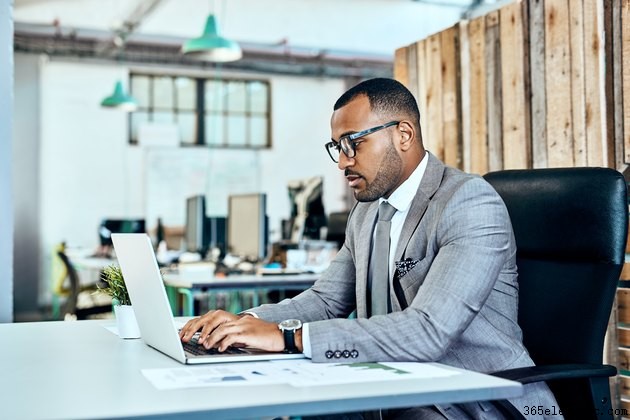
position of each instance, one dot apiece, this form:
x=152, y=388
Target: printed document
x=297, y=373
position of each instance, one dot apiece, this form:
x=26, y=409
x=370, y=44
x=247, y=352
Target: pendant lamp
x=120, y=100
x=210, y=46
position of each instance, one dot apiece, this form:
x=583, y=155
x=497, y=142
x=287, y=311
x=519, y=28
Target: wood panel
x=624, y=359
x=433, y=140
x=451, y=139
x=594, y=85
x=412, y=74
x=537, y=75
x=558, y=83
x=623, y=305
x=401, y=67
x=464, y=97
x=625, y=69
x=617, y=29
x=614, y=153
x=477, y=94
x=421, y=70
x=516, y=140
x=578, y=108
x=492, y=52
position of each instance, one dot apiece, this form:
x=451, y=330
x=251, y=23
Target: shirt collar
x=402, y=197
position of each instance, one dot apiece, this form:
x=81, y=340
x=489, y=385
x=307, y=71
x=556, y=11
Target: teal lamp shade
x=211, y=46
x=120, y=100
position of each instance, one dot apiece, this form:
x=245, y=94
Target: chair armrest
x=532, y=374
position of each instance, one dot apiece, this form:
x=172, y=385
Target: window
x=228, y=113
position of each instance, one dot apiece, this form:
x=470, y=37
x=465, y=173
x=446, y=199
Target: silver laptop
x=153, y=312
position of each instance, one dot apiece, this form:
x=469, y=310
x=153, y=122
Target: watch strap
x=289, y=341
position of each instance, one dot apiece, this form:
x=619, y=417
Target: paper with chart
x=297, y=373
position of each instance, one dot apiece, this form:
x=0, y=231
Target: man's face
x=376, y=169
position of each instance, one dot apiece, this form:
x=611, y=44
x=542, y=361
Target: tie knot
x=386, y=211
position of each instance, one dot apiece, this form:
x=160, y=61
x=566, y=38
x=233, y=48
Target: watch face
x=291, y=324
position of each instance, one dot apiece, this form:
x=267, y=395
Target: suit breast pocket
x=411, y=272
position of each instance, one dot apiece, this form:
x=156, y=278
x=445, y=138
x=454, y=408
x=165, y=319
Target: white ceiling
x=369, y=26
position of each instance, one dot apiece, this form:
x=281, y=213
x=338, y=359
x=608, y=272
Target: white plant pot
x=126, y=322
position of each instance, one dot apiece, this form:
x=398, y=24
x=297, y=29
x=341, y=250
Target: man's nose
x=344, y=161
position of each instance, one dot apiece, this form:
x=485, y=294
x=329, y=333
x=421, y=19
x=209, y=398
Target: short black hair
x=387, y=96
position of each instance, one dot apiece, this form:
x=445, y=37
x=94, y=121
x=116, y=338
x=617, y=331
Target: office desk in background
x=53, y=370
x=190, y=283
x=89, y=268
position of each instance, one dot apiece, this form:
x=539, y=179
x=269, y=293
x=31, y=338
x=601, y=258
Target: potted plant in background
x=125, y=317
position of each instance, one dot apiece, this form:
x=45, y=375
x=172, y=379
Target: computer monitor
x=195, y=233
x=109, y=226
x=216, y=235
x=247, y=226
x=337, y=222
x=307, y=208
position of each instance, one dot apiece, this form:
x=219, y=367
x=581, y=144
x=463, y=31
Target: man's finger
x=219, y=334
x=186, y=328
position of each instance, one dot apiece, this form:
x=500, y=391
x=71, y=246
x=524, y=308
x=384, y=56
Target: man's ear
x=407, y=135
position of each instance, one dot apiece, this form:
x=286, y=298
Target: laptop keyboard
x=193, y=348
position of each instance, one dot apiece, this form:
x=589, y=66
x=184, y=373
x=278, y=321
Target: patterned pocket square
x=404, y=266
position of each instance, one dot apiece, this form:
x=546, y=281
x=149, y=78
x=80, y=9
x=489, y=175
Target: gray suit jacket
x=457, y=305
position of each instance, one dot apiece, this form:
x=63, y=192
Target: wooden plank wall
x=621, y=61
x=535, y=84
x=526, y=86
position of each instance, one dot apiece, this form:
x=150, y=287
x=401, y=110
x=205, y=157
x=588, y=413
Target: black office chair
x=71, y=307
x=570, y=226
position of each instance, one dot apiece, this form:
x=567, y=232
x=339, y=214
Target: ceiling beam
x=148, y=49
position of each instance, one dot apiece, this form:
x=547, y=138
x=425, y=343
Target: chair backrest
x=570, y=226
x=75, y=287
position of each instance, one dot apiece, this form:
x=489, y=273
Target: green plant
x=112, y=276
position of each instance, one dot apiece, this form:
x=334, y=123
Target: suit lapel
x=363, y=254
x=428, y=186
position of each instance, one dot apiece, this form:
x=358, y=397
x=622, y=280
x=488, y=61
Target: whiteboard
x=174, y=174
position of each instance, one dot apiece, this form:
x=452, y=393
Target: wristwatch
x=288, y=328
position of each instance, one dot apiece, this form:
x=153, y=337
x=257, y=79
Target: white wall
x=88, y=171
x=6, y=131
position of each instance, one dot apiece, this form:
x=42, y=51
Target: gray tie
x=380, y=253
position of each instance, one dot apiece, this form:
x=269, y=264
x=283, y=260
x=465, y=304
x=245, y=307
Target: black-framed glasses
x=348, y=144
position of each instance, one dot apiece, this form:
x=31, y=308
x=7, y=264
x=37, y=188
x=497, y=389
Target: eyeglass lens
x=334, y=150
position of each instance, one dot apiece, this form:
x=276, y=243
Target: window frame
x=201, y=111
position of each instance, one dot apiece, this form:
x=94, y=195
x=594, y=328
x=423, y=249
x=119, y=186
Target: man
x=449, y=289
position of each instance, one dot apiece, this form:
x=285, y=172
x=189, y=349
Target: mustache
x=348, y=172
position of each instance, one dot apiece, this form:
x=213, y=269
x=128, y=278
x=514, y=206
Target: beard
x=386, y=178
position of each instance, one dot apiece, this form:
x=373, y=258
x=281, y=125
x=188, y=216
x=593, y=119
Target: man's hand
x=220, y=330
x=206, y=324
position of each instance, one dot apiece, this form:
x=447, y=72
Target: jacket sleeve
x=332, y=295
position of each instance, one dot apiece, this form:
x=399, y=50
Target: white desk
x=65, y=370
